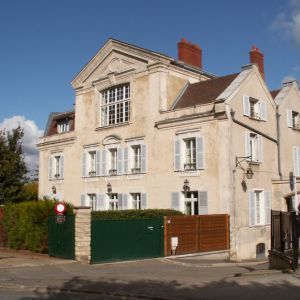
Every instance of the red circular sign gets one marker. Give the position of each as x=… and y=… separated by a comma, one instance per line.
x=59, y=208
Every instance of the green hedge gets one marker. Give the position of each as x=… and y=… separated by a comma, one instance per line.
x=133, y=214
x=26, y=224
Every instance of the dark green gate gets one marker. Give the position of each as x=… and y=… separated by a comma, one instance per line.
x=61, y=237
x=115, y=240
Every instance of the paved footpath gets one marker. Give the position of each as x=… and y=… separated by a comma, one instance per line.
x=26, y=276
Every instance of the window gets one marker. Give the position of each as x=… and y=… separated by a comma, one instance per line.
x=259, y=208
x=92, y=201
x=191, y=203
x=188, y=153
x=113, y=202
x=91, y=163
x=63, y=126
x=296, y=160
x=136, y=164
x=56, y=167
x=293, y=119
x=115, y=105
x=113, y=161
x=136, y=201
x=134, y=158
x=254, y=108
x=253, y=147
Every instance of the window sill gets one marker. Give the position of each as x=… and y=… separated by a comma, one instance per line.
x=184, y=173
x=57, y=180
x=111, y=126
x=259, y=226
x=135, y=176
x=255, y=163
x=90, y=179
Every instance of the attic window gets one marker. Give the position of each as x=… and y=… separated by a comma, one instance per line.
x=115, y=105
x=63, y=126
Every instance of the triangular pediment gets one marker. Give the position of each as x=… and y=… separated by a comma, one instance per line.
x=116, y=58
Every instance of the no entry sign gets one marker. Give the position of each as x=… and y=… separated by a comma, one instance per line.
x=59, y=208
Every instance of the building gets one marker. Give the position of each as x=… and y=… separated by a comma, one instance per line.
x=152, y=132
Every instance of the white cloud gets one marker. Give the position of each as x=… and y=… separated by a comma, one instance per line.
x=29, y=140
x=287, y=22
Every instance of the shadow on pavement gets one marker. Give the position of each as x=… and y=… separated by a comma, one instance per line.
x=78, y=288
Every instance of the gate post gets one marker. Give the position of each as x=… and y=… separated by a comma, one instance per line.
x=83, y=234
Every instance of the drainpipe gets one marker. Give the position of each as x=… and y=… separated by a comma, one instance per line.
x=278, y=142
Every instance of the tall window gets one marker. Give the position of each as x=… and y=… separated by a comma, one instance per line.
x=113, y=162
x=136, y=200
x=92, y=161
x=113, y=202
x=191, y=203
x=136, y=166
x=115, y=105
x=254, y=147
x=56, y=167
x=254, y=108
x=190, y=154
x=259, y=207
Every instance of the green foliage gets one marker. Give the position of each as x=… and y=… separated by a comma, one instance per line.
x=26, y=224
x=133, y=214
x=12, y=166
x=29, y=191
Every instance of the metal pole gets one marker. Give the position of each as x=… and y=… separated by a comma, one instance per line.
x=296, y=195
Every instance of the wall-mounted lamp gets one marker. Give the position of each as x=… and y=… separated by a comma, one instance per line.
x=238, y=163
x=186, y=186
x=53, y=189
x=109, y=188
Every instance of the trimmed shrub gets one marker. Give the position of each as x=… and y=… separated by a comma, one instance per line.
x=133, y=214
x=26, y=224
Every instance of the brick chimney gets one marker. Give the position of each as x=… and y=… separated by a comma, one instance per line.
x=256, y=57
x=190, y=54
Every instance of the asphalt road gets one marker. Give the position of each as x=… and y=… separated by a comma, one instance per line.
x=27, y=276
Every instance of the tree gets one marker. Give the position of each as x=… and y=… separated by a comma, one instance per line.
x=13, y=169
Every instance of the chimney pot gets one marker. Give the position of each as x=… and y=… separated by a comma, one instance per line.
x=257, y=57
x=189, y=53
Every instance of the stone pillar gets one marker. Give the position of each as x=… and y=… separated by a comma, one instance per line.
x=83, y=234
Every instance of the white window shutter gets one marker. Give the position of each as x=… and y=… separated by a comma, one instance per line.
x=263, y=110
x=296, y=160
x=247, y=144
x=120, y=201
x=175, y=201
x=177, y=158
x=246, y=105
x=260, y=148
x=143, y=158
x=61, y=167
x=125, y=201
x=143, y=201
x=103, y=163
x=202, y=203
x=119, y=161
x=267, y=207
x=50, y=167
x=84, y=164
x=98, y=163
x=125, y=152
x=289, y=118
x=100, y=202
x=251, y=208
x=199, y=153
x=82, y=200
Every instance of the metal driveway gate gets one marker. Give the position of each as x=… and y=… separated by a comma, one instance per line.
x=61, y=237
x=114, y=240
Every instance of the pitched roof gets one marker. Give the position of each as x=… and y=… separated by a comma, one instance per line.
x=274, y=93
x=205, y=91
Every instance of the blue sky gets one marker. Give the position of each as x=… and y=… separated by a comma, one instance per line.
x=44, y=43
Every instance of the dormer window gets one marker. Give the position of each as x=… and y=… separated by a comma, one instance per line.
x=115, y=105
x=63, y=126
x=293, y=119
x=254, y=108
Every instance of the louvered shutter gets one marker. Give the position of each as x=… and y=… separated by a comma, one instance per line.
x=120, y=201
x=246, y=105
x=143, y=158
x=119, y=161
x=175, y=201
x=103, y=163
x=84, y=164
x=98, y=163
x=50, y=167
x=125, y=160
x=251, y=208
x=260, y=148
x=100, y=202
x=82, y=200
x=296, y=161
x=177, y=158
x=202, y=203
x=125, y=201
x=143, y=201
x=247, y=144
x=61, y=167
x=263, y=110
x=199, y=153
x=289, y=118
x=267, y=207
